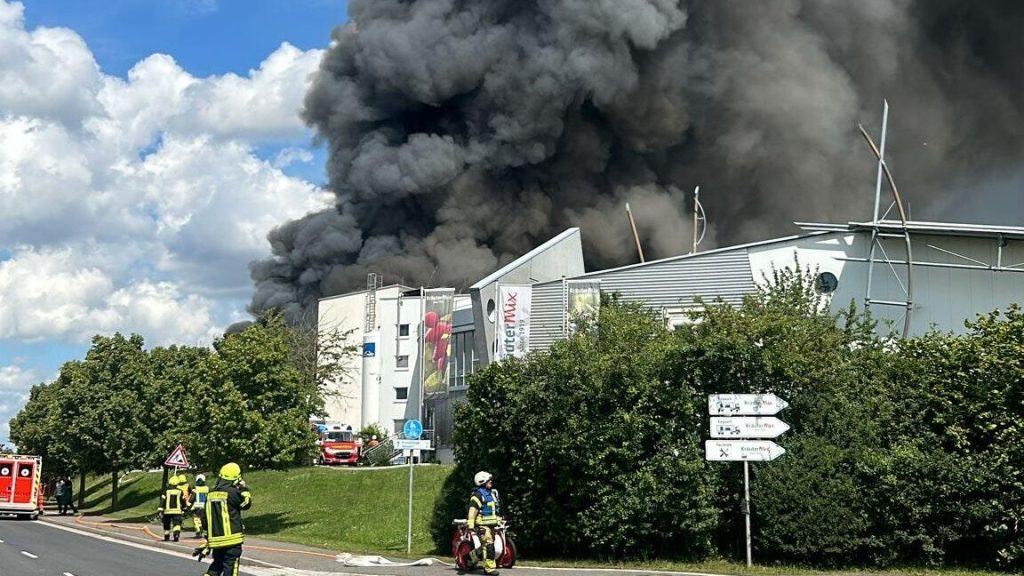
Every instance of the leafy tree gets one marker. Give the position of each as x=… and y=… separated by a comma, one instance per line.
x=959, y=464
x=105, y=396
x=37, y=430
x=596, y=445
x=177, y=398
x=264, y=401
x=808, y=506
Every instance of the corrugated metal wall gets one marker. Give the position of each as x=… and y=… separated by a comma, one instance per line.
x=547, y=314
x=675, y=283
x=668, y=284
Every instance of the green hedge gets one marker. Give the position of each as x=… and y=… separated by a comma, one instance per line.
x=900, y=452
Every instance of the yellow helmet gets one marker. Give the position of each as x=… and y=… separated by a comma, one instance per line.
x=176, y=480
x=230, y=472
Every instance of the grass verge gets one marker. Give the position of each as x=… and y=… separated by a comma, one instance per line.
x=365, y=511
x=362, y=510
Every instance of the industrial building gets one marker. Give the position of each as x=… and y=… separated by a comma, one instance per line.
x=914, y=276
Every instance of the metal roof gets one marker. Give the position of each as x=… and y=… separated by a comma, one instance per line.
x=694, y=255
x=493, y=277
x=363, y=291
x=933, y=228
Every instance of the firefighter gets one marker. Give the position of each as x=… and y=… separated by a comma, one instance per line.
x=224, y=505
x=172, y=504
x=199, y=505
x=483, y=517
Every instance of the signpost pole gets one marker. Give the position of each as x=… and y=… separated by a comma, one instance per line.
x=746, y=506
x=408, y=545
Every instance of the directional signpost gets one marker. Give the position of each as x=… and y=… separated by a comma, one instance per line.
x=738, y=418
x=768, y=427
x=752, y=404
x=745, y=450
x=412, y=430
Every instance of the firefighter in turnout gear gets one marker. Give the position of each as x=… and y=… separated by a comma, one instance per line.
x=172, y=505
x=483, y=517
x=199, y=505
x=224, y=505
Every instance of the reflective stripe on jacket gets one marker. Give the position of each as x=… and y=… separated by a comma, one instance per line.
x=224, y=504
x=201, y=493
x=487, y=507
x=172, y=501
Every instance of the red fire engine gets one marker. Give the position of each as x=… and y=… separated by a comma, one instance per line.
x=21, y=490
x=338, y=444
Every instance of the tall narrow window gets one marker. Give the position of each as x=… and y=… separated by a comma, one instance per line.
x=403, y=329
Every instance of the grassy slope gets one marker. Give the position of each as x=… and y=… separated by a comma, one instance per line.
x=366, y=511
x=340, y=509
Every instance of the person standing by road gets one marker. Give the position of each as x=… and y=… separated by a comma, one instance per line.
x=69, y=495
x=199, y=505
x=483, y=516
x=58, y=495
x=224, y=505
x=172, y=503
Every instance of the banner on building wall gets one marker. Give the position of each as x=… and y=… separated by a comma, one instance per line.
x=583, y=303
x=435, y=339
x=513, y=329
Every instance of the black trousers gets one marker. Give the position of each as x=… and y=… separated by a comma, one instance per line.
x=172, y=522
x=225, y=561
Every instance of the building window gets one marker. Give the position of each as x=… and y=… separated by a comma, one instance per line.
x=402, y=361
x=399, y=426
x=402, y=393
x=403, y=329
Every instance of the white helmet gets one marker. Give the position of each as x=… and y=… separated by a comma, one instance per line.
x=200, y=478
x=482, y=478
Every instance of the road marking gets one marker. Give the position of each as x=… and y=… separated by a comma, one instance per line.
x=242, y=570
x=29, y=554
x=68, y=574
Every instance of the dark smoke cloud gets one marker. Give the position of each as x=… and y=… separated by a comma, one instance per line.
x=464, y=132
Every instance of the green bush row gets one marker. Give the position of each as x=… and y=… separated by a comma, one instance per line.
x=900, y=452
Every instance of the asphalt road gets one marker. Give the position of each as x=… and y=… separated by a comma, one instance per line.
x=38, y=548
x=60, y=546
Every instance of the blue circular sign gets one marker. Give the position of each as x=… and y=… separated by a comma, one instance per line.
x=412, y=429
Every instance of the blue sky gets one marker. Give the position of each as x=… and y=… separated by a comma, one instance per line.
x=204, y=36
x=146, y=149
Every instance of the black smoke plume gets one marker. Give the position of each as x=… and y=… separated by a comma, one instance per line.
x=464, y=132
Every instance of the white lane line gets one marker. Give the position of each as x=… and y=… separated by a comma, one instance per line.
x=1, y=541
x=68, y=574
x=29, y=554
x=242, y=569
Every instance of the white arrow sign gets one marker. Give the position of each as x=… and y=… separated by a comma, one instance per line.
x=747, y=427
x=745, y=404
x=404, y=444
x=734, y=450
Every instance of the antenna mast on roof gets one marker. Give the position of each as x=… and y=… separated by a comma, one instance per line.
x=698, y=217
x=636, y=237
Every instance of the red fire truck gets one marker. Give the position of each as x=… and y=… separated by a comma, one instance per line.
x=338, y=444
x=21, y=491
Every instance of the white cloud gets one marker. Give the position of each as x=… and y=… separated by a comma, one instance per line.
x=265, y=105
x=72, y=294
x=15, y=383
x=135, y=204
x=48, y=73
x=291, y=155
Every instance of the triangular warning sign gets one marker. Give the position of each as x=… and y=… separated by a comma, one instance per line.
x=177, y=458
